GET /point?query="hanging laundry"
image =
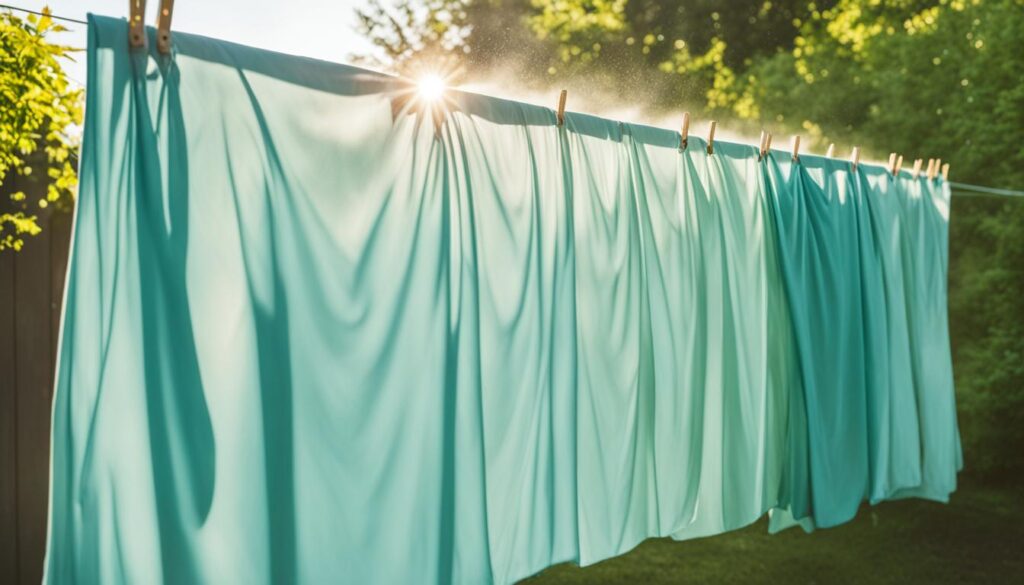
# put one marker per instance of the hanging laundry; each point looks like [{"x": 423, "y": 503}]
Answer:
[{"x": 316, "y": 331}]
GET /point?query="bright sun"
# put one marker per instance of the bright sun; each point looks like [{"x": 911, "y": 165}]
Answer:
[{"x": 431, "y": 87}]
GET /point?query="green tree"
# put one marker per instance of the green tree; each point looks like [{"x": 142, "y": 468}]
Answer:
[
  {"x": 410, "y": 39},
  {"x": 697, "y": 44},
  {"x": 659, "y": 53},
  {"x": 38, "y": 108}
]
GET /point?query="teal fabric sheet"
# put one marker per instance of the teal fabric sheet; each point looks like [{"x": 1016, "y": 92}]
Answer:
[{"x": 309, "y": 338}]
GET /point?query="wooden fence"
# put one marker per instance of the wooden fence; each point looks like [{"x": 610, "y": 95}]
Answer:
[{"x": 31, "y": 291}]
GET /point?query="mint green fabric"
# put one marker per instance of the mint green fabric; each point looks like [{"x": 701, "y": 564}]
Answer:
[{"x": 311, "y": 338}]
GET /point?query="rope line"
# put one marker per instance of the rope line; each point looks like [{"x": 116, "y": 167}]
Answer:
[
  {"x": 53, "y": 16},
  {"x": 985, "y": 190},
  {"x": 962, "y": 187}
]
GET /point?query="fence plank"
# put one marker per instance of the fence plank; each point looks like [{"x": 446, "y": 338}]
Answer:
[
  {"x": 60, "y": 226},
  {"x": 8, "y": 426},
  {"x": 34, "y": 380}
]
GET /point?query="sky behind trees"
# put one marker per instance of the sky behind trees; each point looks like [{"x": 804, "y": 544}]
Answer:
[{"x": 312, "y": 28}]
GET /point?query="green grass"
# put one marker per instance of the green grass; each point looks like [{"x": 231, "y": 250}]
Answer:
[{"x": 977, "y": 538}]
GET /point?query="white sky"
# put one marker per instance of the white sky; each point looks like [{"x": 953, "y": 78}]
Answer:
[{"x": 313, "y": 28}]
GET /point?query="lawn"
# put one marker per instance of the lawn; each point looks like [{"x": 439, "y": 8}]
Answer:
[{"x": 977, "y": 538}]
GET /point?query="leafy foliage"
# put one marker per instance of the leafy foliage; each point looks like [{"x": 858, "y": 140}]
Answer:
[
  {"x": 38, "y": 109},
  {"x": 407, "y": 36}
]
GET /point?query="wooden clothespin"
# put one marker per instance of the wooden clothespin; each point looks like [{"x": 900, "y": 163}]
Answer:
[
  {"x": 892, "y": 163},
  {"x": 760, "y": 145},
  {"x": 945, "y": 172},
  {"x": 931, "y": 169},
  {"x": 163, "y": 26},
  {"x": 855, "y": 157},
  {"x": 899, "y": 165},
  {"x": 917, "y": 169},
  {"x": 684, "y": 131},
  {"x": 136, "y": 24},
  {"x": 796, "y": 148},
  {"x": 938, "y": 167},
  {"x": 560, "y": 114},
  {"x": 768, "y": 144},
  {"x": 831, "y": 150},
  {"x": 711, "y": 137}
]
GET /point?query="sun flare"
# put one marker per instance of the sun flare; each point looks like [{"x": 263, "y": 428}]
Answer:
[{"x": 431, "y": 87}]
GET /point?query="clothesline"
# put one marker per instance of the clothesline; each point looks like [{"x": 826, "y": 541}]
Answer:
[
  {"x": 964, "y": 188},
  {"x": 50, "y": 15}
]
